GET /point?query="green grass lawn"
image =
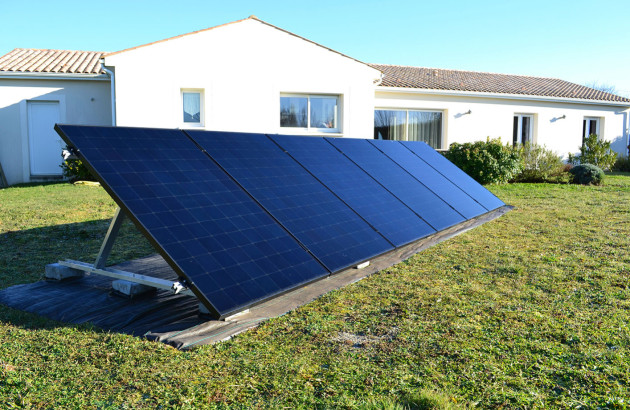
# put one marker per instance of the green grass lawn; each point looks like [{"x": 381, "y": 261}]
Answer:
[{"x": 530, "y": 310}]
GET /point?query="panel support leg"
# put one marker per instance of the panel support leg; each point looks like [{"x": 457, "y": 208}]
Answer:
[{"x": 110, "y": 237}]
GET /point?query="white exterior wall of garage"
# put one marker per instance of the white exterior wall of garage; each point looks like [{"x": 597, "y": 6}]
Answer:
[{"x": 79, "y": 101}]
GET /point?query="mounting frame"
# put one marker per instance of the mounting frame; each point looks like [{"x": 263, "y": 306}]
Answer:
[{"x": 98, "y": 267}]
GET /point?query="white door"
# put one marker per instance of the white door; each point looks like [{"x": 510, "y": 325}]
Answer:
[{"x": 44, "y": 143}]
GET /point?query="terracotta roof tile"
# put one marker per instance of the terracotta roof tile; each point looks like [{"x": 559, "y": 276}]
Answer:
[
  {"x": 456, "y": 80},
  {"x": 32, "y": 60}
]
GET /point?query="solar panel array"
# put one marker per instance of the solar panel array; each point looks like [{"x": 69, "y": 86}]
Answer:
[{"x": 246, "y": 217}]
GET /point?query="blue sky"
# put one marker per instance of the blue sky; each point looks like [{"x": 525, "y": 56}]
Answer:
[{"x": 580, "y": 41}]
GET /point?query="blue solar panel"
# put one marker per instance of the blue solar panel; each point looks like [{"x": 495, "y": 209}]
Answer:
[
  {"x": 209, "y": 230},
  {"x": 329, "y": 229},
  {"x": 399, "y": 224},
  {"x": 399, "y": 182},
  {"x": 246, "y": 217},
  {"x": 436, "y": 182},
  {"x": 454, "y": 174}
]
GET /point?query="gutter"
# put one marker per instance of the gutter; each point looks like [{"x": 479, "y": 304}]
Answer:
[
  {"x": 24, "y": 75},
  {"x": 500, "y": 96},
  {"x": 112, "y": 85}
]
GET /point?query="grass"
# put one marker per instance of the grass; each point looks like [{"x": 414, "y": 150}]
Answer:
[{"x": 530, "y": 310}]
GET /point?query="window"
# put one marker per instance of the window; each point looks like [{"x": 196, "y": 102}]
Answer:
[
  {"x": 310, "y": 112},
  {"x": 192, "y": 108},
  {"x": 523, "y": 129},
  {"x": 590, "y": 126},
  {"x": 409, "y": 125}
]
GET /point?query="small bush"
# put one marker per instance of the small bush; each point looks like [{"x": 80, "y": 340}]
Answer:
[
  {"x": 486, "y": 161},
  {"x": 595, "y": 151},
  {"x": 587, "y": 174},
  {"x": 539, "y": 164},
  {"x": 73, "y": 168},
  {"x": 622, "y": 164}
]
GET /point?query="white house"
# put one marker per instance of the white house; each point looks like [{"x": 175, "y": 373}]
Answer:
[
  {"x": 251, "y": 76},
  {"x": 463, "y": 106}
]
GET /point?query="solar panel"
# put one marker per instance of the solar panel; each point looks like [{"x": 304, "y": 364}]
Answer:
[
  {"x": 393, "y": 219},
  {"x": 246, "y": 217},
  {"x": 454, "y": 174},
  {"x": 320, "y": 220},
  {"x": 430, "y": 207},
  {"x": 230, "y": 250},
  {"x": 436, "y": 182}
]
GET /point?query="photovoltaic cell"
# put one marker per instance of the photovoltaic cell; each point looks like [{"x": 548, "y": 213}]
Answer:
[
  {"x": 454, "y": 174},
  {"x": 393, "y": 219},
  {"x": 436, "y": 182},
  {"x": 329, "y": 229},
  {"x": 435, "y": 211},
  {"x": 209, "y": 230}
]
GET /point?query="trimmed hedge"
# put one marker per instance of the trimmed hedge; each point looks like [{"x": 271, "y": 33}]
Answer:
[{"x": 587, "y": 174}]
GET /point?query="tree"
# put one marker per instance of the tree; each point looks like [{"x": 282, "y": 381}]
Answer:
[{"x": 607, "y": 88}]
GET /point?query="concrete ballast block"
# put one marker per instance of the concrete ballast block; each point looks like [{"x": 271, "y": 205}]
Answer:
[
  {"x": 59, "y": 272},
  {"x": 130, "y": 288}
]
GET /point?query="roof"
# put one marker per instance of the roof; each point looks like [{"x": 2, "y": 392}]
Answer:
[
  {"x": 30, "y": 60},
  {"x": 456, "y": 80},
  {"x": 230, "y": 23}
]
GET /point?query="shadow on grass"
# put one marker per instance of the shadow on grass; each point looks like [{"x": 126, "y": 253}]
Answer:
[{"x": 24, "y": 255}]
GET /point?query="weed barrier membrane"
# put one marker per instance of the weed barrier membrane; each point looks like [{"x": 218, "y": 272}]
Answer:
[{"x": 174, "y": 319}]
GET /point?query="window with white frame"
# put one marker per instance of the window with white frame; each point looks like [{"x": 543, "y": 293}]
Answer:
[
  {"x": 192, "y": 108},
  {"x": 523, "y": 129},
  {"x": 409, "y": 125},
  {"x": 590, "y": 125},
  {"x": 310, "y": 112}
]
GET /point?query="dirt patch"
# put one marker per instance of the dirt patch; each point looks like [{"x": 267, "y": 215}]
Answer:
[{"x": 359, "y": 340}]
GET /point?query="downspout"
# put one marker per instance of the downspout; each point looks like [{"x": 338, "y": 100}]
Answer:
[{"x": 112, "y": 84}]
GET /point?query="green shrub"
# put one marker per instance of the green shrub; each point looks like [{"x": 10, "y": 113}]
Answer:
[
  {"x": 595, "y": 151},
  {"x": 622, "y": 164},
  {"x": 486, "y": 161},
  {"x": 587, "y": 174},
  {"x": 73, "y": 168},
  {"x": 539, "y": 163}
]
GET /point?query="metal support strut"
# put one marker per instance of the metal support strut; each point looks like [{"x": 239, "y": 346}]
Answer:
[
  {"x": 99, "y": 265},
  {"x": 110, "y": 237}
]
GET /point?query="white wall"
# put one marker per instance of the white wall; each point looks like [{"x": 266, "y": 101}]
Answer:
[
  {"x": 493, "y": 117},
  {"x": 242, "y": 68},
  {"x": 80, "y": 102}
]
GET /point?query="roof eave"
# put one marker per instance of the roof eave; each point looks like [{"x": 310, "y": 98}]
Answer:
[
  {"x": 479, "y": 94},
  {"x": 25, "y": 75}
]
